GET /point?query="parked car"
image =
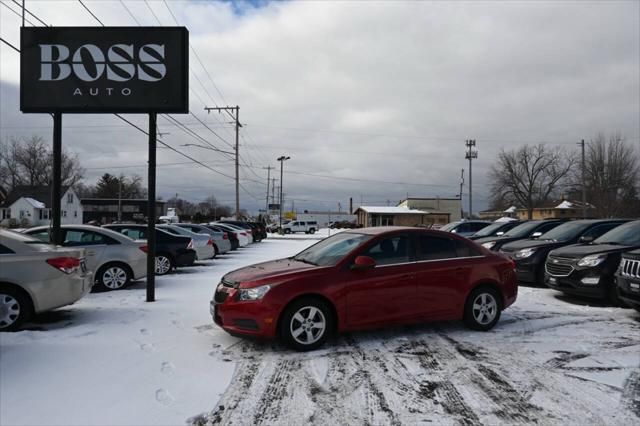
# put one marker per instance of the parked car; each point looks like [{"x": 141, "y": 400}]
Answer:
[
  {"x": 221, "y": 241},
  {"x": 202, "y": 243},
  {"x": 370, "y": 277},
  {"x": 589, "y": 269},
  {"x": 244, "y": 237},
  {"x": 308, "y": 227},
  {"x": 529, "y": 230},
  {"x": 628, "y": 279},
  {"x": 256, "y": 234},
  {"x": 115, "y": 259},
  {"x": 496, "y": 229},
  {"x": 232, "y": 238},
  {"x": 530, "y": 255},
  {"x": 342, "y": 224},
  {"x": 172, "y": 251},
  {"x": 465, "y": 228},
  {"x": 36, "y": 277}
]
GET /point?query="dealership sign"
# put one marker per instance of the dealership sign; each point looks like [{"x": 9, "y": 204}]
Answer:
[{"x": 104, "y": 69}]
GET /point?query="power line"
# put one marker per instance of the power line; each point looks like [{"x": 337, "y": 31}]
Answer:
[
  {"x": 17, "y": 13},
  {"x": 129, "y": 11},
  {"x": 29, "y": 13},
  {"x": 9, "y": 44},
  {"x": 152, "y": 12},
  {"x": 90, "y": 12}
]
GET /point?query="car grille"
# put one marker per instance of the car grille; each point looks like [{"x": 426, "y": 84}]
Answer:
[
  {"x": 558, "y": 266},
  {"x": 630, "y": 268}
]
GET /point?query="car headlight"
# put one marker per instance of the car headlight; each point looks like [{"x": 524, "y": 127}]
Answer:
[
  {"x": 255, "y": 293},
  {"x": 524, "y": 253},
  {"x": 591, "y": 261},
  {"x": 489, "y": 244}
]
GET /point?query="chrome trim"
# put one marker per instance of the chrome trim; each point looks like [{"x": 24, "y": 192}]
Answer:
[
  {"x": 630, "y": 268},
  {"x": 430, "y": 261},
  {"x": 559, "y": 261}
]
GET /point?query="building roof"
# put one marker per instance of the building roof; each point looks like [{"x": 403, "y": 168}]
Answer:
[
  {"x": 35, "y": 203},
  {"x": 41, "y": 194},
  {"x": 392, "y": 210},
  {"x": 115, "y": 200}
]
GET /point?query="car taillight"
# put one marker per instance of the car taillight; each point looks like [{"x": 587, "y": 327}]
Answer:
[
  {"x": 190, "y": 245},
  {"x": 225, "y": 236},
  {"x": 209, "y": 243},
  {"x": 68, "y": 265},
  {"x": 144, "y": 248}
]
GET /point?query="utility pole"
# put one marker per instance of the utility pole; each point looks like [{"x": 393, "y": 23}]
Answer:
[
  {"x": 268, "y": 168},
  {"x": 584, "y": 183},
  {"x": 470, "y": 155},
  {"x": 461, "y": 186},
  {"x": 236, "y": 119},
  {"x": 281, "y": 159},
  {"x": 120, "y": 200},
  {"x": 273, "y": 190}
]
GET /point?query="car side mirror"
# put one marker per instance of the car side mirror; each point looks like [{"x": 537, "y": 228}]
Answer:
[
  {"x": 586, "y": 239},
  {"x": 363, "y": 262},
  {"x": 536, "y": 234}
]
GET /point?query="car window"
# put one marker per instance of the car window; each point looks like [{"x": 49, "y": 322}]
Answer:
[
  {"x": 488, "y": 231},
  {"x": 5, "y": 250},
  {"x": 547, "y": 227},
  {"x": 627, "y": 234},
  {"x": 332, "y": 250},
  {"x": 463, "y": 227},
  {"x": 464, "y": 249},
  {"x": 41, "y": 235},
  {"x": 77, "y": 237},
  {"x": 599, "y": 230},
  {"x": 434, "y": 248},
  {"x": 135, "y": 233},
  {"x": 390, "y": 250}
]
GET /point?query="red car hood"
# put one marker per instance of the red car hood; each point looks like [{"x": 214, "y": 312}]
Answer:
[{"x": 271, "y": 269}]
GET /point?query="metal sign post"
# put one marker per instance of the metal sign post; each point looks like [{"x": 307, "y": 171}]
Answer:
[
  {"x": 56, "y": 190},
  {"x": 151, "y": 212}
]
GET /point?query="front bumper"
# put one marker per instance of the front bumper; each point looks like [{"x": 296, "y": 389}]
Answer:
[
  {"x": 629, "y": 291},
  {"x": 246, "y": 318},
  {"x": 574, "y": 286}
]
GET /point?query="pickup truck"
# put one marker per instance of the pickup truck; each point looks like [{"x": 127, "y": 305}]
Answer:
[{"x": 308, "y": 227}]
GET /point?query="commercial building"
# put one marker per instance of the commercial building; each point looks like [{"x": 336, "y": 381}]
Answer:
[
  {"x": 452, "y": 206},
  {"x": 105, "y": 210},
  {"x": 399, "y": 216}
]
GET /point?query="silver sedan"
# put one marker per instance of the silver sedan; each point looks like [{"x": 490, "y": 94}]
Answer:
[{"x": 37, "y": 277}]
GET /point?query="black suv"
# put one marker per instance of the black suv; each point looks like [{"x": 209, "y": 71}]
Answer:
[
  {"x": 588, "y": 269},
  {"x": 496, "y": 229},
  {"x": 530, "y": 255},
  {"x": 628, "y": 278},
  {"x": 171, "y": 250},
  {"x": 531, "y": 229}
]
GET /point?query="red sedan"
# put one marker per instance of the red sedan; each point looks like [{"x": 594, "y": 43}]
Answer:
[{"x": 366, "y": 278}]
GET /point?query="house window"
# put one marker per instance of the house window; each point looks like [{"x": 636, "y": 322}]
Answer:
[
  {"x": 22, "y": 214},
  {"x": 69, "y": 198},
  {"x": 40, "y": 211},
  {"x": 64, "y": 213},
  {"x": 75, "y": 213}
]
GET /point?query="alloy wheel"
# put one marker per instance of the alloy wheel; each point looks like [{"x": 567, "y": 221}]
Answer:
[
  {"x": 163, "y": 265},
  {"x": 485, "y": 308},
  {"x": 308, "y": 325},
  {"x": 9, "y": 310},
  {"x": 114, "y": 278}
]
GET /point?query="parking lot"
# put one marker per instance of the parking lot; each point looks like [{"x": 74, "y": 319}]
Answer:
[{"x": 114, "y": 359}]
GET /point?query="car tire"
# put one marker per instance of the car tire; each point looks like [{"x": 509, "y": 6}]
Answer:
[
  {"x": 287, "y": 231},
  {"x": 216, "y": 252},
  {"x": 306, "y": 324},
  {"x": 312, "y": 231},
  {"x": 482, "y": 309},
  {"x": 164, "y": 264},
  {"x": 16, "y": 308},
  {"x": 113, "y": 276}
]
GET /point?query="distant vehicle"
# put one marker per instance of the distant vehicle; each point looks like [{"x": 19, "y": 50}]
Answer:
[
  {"x": 229, "y": 236},
  {"x": 172, "y": 251},
  {"x": 202, "y": 243},
  {"x": 530, "y": 255},
  {"x": 221, "y": 242},
  {"x": 366, "y": 278},
  {"x": 589, "y": 269},
  {"x": 496, "y": 229},
  {"x": 171, "y": 217},
  {"x": 253, "y": 228},
  {"x": 465, "y": 228},
  {"x": 36, "y": 277},
  {"x": 243, "y": 236},
  {"x": 344, "y": 224},
  {"x": 628, "y": 279},
  {"x": 115, "y": 259},
  {"x": 308, "y": 227},
  {"x": 531, "y": 229}
]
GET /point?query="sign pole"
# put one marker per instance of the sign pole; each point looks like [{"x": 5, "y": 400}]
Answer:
[
  {"x": 56, "y": 234},
  {"x": 151, "y": 211}
]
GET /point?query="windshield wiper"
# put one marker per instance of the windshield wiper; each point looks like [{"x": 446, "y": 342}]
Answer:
[{"x": 306, "y": 261}]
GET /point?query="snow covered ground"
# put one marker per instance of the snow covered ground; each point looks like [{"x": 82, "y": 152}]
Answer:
[{"x": 113, "y": 359}]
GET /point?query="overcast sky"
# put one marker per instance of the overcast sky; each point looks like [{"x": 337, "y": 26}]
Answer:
[{"x": 371, "y": 100}]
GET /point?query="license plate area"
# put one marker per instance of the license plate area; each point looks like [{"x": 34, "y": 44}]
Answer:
[{"x": 634, "y": 287}]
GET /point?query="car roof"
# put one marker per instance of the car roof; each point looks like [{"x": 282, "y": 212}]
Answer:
[
  {"x": 109, "y": 232},
  {"x": 379, "y": 230}
]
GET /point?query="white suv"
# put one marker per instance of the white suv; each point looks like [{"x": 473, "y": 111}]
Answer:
[{"x": 300, "y": 226}]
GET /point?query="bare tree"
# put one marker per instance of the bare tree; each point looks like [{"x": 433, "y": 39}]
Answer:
[
  {"x": 612, "y": 176},
  {"x": 529, "y": 176}
]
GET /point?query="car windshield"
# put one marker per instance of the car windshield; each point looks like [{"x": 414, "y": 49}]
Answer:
[
  {"x": 565, "y": 232},
  {"x": 523, "y": 230},
  {"x": 488, "y": 231},
  {"x": 450, "y": 226},
  {"x": 330, "y": 251},
  {"x": 626, "y": 235}
]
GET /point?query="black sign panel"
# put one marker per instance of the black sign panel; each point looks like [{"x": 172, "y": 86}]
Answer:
[{"x": 104, "y": 69}]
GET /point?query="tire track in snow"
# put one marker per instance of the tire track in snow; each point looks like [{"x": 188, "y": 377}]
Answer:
[{"x": 631, "y": 393}]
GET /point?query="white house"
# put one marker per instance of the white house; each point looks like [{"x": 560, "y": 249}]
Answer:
[{"x": 31, "y": 206}]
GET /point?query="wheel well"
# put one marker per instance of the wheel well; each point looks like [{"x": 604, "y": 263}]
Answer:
[
  {"x": 329, "y": 303},
  {"x": 166, "y": 253},
  {"x": 115, "y": 262},
  {"x": 20, "y": 290},
  {"x": 488, "y": 284}
]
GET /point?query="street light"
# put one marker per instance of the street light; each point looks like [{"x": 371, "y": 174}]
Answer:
[{"x": 281, "y": 159}]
